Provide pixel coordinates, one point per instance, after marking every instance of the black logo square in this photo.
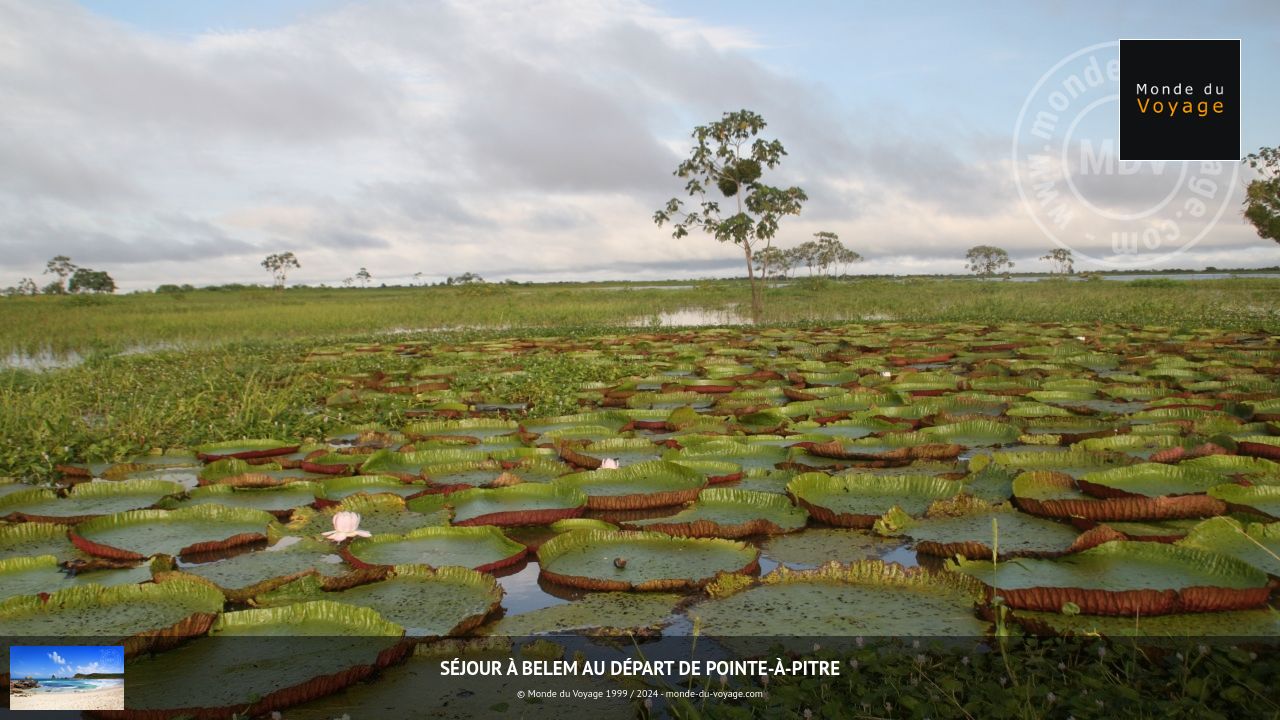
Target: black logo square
(1180, 100)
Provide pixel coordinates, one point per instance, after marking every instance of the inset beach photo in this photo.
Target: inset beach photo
(66, 677)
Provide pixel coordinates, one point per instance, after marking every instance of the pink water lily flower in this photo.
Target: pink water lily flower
(346, 525)
(609, 464)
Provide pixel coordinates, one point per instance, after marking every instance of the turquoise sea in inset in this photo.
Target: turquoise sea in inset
(74, 684)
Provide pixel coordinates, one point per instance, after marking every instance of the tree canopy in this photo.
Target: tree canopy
(729, 156)
(987, 260)
(1262, 196)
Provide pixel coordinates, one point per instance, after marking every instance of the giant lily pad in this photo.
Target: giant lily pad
(41, 574)
(244, 575)
(974, 433)
(1255, 543)
(1125, 578)
(340, 487)
(31, 538)
(138, 534)
(819, 546)
(857, 500)
(379, 514)
(1148, 480)
(972, 529)
(864, 598)
(279, 500)
(244, 449)
(143, 616)
(604, 614)
(330, 646)
(1055, 494)
(425, 601)
(523, 504)
(482, 548)
(636, 487)
(729, 513)
(618, 560)
(86, 500)
(1263, 499)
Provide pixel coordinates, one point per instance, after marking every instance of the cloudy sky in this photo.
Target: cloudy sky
(182, 142)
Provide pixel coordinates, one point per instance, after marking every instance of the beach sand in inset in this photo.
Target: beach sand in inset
(109, 698)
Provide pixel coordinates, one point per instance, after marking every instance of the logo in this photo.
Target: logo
(1066, 163)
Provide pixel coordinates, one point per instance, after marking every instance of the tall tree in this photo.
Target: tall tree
(61, 266)
(94, 281)
(729, 156)
(1060, 260)
(364, 277)
(279, 265)
(987, 260)
(1262, 196)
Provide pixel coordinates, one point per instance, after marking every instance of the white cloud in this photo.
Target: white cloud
(510, 139)
(54, 656)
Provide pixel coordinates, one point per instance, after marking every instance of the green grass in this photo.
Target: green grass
(60, 325)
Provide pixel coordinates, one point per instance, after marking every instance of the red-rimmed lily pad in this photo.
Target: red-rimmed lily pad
(1261, 499)
(858, 500)
(279, 500)
(340, 487)
(522, 504)
(32, 538)
(425, 601)
(482, 548)
(1056, 495)
(647, 561)
(1148, 480)
(139, 534)
(331, 646)
(43, 574)
(247, 574)
(244, 449)
(86, 500)
(972, 529)
(1255, 543)
(868, 598)
(729, 513)
(636, 487)
(1125, 578)
(143, 618)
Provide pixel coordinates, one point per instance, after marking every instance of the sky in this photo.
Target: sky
(43, 661)
(182, 142)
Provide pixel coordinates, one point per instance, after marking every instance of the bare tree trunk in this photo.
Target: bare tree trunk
(757, 302)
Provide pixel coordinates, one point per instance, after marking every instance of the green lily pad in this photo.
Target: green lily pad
(425, 601)
(31, 575)
(333, 645)
(1125, 578)
(380, 514)
(523, 504)
(868, 598)
(1264, 499)
(340, 487)
(482, 548)
(604, 614)
(116, 612)
(243, 449)
(244, 575)
(974, 433)
(857, 500)
(273, 499)
(636, 487)
(1255, 543)
(973, 531)
(603, 560)
(729, 513)
(1149, 480)
(819, 546)
(88, 499)
(31, 538)
(138, 534)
